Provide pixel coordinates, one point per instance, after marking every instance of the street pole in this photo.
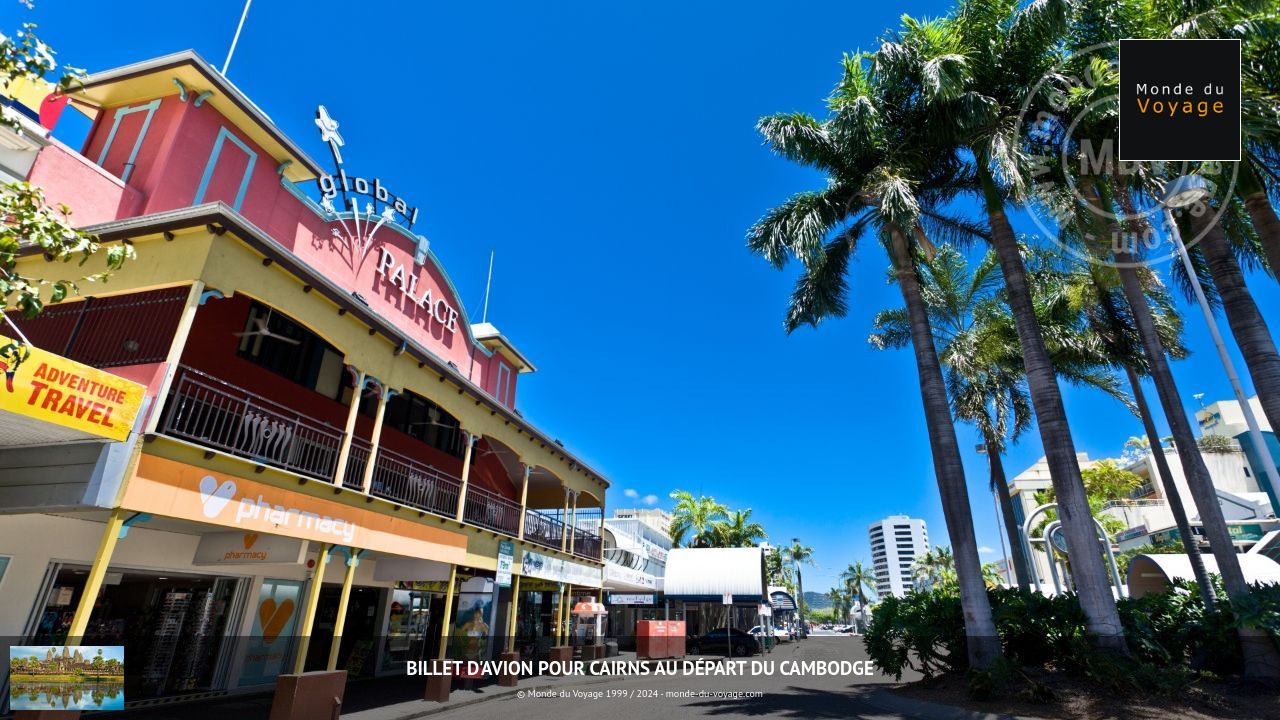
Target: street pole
(1255, 432)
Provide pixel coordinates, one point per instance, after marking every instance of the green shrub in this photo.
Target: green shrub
(1169, 635)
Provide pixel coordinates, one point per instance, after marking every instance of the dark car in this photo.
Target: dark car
(723, 640)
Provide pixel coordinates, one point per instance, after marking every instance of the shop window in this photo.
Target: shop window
(279, 344)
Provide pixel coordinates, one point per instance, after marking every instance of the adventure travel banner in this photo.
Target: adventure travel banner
(44, 386)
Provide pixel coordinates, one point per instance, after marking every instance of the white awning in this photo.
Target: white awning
(707, 574)
(1154, 573)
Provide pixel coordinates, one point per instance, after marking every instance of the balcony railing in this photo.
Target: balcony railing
(211, 412)
(403, 480)
(491, 511)
(543, 529)
(586, 544)
(217, 414)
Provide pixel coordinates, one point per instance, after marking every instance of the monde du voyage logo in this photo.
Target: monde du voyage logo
(1180, 100)
(215, 497)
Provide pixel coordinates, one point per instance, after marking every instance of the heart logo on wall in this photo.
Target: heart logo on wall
(250, 539)
(273, 617)
(214, 497)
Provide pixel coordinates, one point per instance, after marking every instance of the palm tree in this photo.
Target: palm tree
(695, 518)
(973, 71)
(870, 150)
(839, 602)
(1103, 191)
(798, 554)
(737, 530)
(858, 581)
(935, 570)
(979, 349)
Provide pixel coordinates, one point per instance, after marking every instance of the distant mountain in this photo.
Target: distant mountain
(817, 600)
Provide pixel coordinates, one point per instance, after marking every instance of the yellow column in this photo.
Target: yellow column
(564, 524)
(448, 612)
(353, 559)
(466, 473)
(560, 617)
(524, 501)
(344, 450)
(309, 611)
(375, 438)
(511, 614)
(573, 522)
(176, 346)
(93, 583)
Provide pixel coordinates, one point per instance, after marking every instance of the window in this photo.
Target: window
(425, 421)
(286, 348)
(504, 384)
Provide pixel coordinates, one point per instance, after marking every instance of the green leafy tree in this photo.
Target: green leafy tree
(693, 519)
(737, 530)
(27, 223)
(858, 581)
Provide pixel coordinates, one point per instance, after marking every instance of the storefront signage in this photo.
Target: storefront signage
(173, 489)
(556, 569)
(340, 182)
(506, 560)
(614, 572)
(405, 279)
(41, 385)
(615, 599)
(246, 548)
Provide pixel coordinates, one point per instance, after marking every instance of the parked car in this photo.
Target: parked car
(779, 634)
(739, 642)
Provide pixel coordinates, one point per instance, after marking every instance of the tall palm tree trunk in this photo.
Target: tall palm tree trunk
(1000, 486)
(980, 630)
(1267, 224)
(1261, 658)
(1171, 494)
(1091, 578)
(1261, 213)
(1247, 324)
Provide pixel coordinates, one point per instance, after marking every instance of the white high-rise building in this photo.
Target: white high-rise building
(896, 542)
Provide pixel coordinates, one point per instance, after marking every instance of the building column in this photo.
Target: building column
(353, 559)
(560, 629)
(93, 583)
(466, 473)
(564, 522)
(384, 396)
(309, 610)
(573, 522)
(513, 613)
(195, 298)
(344, 450)
(448, 612)
(524, 501)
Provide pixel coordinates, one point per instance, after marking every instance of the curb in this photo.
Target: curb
(886, 700)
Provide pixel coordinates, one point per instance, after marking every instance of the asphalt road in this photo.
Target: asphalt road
(723, 697)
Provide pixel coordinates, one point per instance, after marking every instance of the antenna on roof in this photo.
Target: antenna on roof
(236, 38)
(484, 316)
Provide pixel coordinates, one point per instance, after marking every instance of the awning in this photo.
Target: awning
(780, 599)
(1155, 573)
(708, 574)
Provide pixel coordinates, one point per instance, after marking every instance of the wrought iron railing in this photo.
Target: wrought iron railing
(211, 412)
(491, 511)
(586, 544)
(543, 529)
(402, 479)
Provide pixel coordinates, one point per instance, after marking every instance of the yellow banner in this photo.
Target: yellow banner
(40, 385)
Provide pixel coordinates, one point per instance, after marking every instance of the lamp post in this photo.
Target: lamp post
(1184, 192)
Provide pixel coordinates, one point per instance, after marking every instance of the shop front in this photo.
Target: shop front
(549, 587)
(717, 587)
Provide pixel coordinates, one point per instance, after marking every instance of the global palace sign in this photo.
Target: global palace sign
(359, 225)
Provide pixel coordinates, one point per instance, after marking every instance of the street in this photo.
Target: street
(678, 696)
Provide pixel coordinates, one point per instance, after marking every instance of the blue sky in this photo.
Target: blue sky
(608, 155)
(109, 652)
